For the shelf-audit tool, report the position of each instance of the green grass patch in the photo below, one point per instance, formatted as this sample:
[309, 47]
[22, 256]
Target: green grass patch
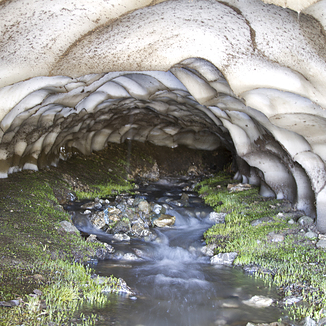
[294, 265]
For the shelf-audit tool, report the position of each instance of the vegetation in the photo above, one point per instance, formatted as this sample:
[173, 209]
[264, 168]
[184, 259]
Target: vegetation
[294, 265]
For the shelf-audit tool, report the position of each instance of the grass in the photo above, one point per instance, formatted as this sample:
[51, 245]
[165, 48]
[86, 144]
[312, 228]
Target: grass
[294, 265]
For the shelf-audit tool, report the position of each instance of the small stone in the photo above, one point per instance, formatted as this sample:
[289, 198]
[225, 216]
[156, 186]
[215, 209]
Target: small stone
[305, 220]
[224, 258]
[311, 235]
[321, 244]
[291, 221]
[258, 301]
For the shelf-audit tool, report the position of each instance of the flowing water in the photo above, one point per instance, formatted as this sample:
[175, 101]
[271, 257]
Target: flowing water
[174, 282]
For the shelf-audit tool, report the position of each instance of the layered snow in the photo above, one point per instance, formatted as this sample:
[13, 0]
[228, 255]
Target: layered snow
[246, 75]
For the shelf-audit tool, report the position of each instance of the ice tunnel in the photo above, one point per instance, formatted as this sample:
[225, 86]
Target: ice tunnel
[246, 75]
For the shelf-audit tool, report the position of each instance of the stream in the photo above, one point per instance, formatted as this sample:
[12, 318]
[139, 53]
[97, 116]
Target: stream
[175, 284]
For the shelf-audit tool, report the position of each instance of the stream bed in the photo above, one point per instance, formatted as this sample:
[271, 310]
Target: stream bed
[173, 281]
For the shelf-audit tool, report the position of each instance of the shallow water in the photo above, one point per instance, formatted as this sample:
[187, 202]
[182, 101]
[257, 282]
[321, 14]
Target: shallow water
[174, 282]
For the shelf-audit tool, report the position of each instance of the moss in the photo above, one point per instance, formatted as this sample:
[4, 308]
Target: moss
[294, 265]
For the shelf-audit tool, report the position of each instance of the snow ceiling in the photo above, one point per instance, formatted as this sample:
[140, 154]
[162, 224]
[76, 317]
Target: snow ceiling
[247, 75]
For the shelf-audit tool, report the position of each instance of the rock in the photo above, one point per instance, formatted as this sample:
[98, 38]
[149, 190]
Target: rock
[164, 220]
[216, 218]
[238, 187]
[291, 221]
[105, 252]
[68, 227]
[305, 220]
[92, 238]
[291, 300]
[92, 205]
[130, 256]
[275, 237]
[262, 220]
[121, 237]
[157, 209]
[98, 220]
[208, 250]
[145, 207]
[258, 301]
[321, 244]
[11, 303]
[251, 269]
[308, 322]
[192, 170]
[37, 292]
[121, 227]
[224, 258]
[139, 230]
[311, 235]
[184, 199]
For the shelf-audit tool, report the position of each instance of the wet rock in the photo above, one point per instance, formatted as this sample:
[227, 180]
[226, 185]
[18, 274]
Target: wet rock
[121, 227]
[216, 218]
[208, 250]
[152, 175]
[139, 230]
[184, 199]
[68, 227]
[262, 220]
[305, 220]
[144, 207]
[164, 220]
[258, 301]
[131, 257]
[92, 205]
[121, 237]
[321, 244]
[224, 258]
[98, 220]
[105, 252]
[157, 208]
